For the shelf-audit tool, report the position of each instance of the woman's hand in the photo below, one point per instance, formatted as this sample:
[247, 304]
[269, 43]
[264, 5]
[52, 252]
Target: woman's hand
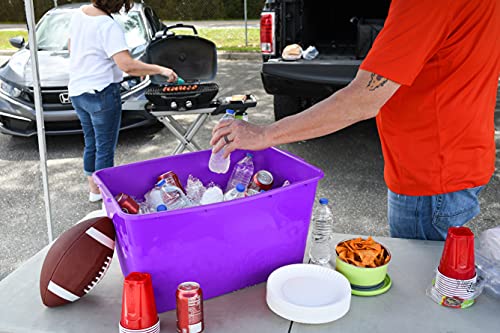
[238, 134]
[170, 74]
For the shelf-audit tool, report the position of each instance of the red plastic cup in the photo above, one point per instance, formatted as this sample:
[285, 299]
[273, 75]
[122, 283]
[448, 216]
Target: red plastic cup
[457, 260]
[138, 303]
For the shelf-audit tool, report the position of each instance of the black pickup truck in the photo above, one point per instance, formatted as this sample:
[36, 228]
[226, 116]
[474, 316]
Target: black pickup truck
[342, 32]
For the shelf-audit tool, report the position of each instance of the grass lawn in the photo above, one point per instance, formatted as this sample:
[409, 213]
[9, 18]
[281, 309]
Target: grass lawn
[233, 39]
[226, 39]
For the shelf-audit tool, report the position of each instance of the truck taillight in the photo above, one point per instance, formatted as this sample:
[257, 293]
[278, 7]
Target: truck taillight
[267, 41]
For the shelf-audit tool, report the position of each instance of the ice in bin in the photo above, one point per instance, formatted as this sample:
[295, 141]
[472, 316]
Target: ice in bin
[224, 246]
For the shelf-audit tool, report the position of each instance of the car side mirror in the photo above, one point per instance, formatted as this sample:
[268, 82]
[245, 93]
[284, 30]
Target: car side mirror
[17, 42]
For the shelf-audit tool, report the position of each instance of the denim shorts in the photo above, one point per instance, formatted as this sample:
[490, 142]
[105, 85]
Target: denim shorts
[429, 217]
[100, 116]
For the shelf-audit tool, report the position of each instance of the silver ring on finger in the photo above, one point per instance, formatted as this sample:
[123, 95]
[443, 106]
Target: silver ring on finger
[226, 139]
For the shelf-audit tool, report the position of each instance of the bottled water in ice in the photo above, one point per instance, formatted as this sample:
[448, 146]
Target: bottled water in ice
[242, 173]
[172, 196]
[154, 198]
[218, 163]
[235, 193]
[322, 221]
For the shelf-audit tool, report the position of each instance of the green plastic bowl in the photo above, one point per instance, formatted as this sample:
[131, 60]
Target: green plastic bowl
[362, 276]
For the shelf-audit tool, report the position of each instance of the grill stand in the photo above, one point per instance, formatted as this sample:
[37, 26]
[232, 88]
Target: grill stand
[186, 135]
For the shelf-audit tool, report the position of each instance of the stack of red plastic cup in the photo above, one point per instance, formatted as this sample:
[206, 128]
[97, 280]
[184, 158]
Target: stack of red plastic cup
[139, 313]
[456, 276]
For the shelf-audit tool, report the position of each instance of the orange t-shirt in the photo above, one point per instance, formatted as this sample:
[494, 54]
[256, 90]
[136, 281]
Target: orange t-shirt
[437, 131]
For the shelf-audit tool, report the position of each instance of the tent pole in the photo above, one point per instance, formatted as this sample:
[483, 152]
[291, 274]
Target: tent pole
[42, 148]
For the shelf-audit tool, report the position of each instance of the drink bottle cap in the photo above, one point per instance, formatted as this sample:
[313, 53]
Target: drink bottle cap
[161, 183]
[230, 111]
[240, 187]
[161, 208]
[323, 201]
[250, 155]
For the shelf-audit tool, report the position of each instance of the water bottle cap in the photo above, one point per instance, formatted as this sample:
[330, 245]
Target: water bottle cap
[250, 155]
[323, 201]
[240, 187]
[161, 208]
[161, 183]
[230, 111]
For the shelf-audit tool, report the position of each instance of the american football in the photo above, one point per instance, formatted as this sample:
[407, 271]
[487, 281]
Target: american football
[77, 261]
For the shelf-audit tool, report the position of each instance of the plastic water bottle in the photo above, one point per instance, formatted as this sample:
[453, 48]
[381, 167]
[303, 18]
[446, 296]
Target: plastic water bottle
[154, 199]
[235, 193]
[242, 173]
[172, 196]
[218, 163]
[145, 208]
[322, 222]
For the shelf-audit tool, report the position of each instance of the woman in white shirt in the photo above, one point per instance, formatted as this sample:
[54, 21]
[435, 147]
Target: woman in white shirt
[98, 57]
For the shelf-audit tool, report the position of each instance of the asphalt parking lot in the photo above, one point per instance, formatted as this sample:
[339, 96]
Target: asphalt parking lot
[351, 159]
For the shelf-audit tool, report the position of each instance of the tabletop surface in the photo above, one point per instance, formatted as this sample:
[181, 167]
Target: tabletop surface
[404, 308]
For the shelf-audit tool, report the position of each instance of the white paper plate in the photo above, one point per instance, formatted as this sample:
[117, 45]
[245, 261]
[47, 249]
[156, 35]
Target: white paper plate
[308, 294]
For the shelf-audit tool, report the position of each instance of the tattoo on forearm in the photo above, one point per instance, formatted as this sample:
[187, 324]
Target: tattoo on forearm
[376, 81]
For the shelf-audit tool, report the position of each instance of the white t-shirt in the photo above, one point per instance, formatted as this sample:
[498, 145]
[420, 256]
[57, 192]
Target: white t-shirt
[94, 40]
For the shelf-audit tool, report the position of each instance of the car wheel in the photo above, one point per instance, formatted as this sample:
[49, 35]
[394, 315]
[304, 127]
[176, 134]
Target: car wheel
[285, 106]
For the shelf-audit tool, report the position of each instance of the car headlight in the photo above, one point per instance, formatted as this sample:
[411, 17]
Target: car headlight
[10, 90]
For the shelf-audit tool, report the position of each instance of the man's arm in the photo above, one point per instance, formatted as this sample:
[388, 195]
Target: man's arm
[360, 100]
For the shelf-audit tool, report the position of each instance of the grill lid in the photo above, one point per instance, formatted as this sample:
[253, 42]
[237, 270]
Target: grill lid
[192, 57]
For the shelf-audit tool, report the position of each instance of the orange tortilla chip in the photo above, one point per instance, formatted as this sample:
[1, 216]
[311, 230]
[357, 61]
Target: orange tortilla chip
[363, 252]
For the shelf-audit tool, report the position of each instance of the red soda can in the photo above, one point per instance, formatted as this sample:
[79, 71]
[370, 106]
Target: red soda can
[262, 180]
[189, 309]
[127, 204]
[171, 178]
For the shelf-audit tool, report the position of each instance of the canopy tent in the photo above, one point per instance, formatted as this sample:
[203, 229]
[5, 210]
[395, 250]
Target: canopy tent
[42, 146]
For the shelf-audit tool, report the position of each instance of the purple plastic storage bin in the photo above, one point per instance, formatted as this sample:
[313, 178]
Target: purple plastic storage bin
[225, 246]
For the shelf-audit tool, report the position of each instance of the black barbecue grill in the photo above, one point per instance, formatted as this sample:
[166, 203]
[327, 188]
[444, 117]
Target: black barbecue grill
[194, 59]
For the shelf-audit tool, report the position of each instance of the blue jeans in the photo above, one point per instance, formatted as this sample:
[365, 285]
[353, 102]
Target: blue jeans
[100, 115]
[429, 217]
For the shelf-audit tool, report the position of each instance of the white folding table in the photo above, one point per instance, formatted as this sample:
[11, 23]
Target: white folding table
[404, 308]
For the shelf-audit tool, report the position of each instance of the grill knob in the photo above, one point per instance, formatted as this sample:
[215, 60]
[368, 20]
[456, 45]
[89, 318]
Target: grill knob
[173, 105]
[189, 104]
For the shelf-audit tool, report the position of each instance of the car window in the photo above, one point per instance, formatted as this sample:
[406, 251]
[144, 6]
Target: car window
[53, 30]
[135, 31]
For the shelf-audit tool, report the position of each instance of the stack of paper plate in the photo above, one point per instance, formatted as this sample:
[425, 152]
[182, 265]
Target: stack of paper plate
[308, 294]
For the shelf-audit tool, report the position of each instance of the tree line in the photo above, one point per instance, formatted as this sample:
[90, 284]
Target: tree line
[12, 11]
